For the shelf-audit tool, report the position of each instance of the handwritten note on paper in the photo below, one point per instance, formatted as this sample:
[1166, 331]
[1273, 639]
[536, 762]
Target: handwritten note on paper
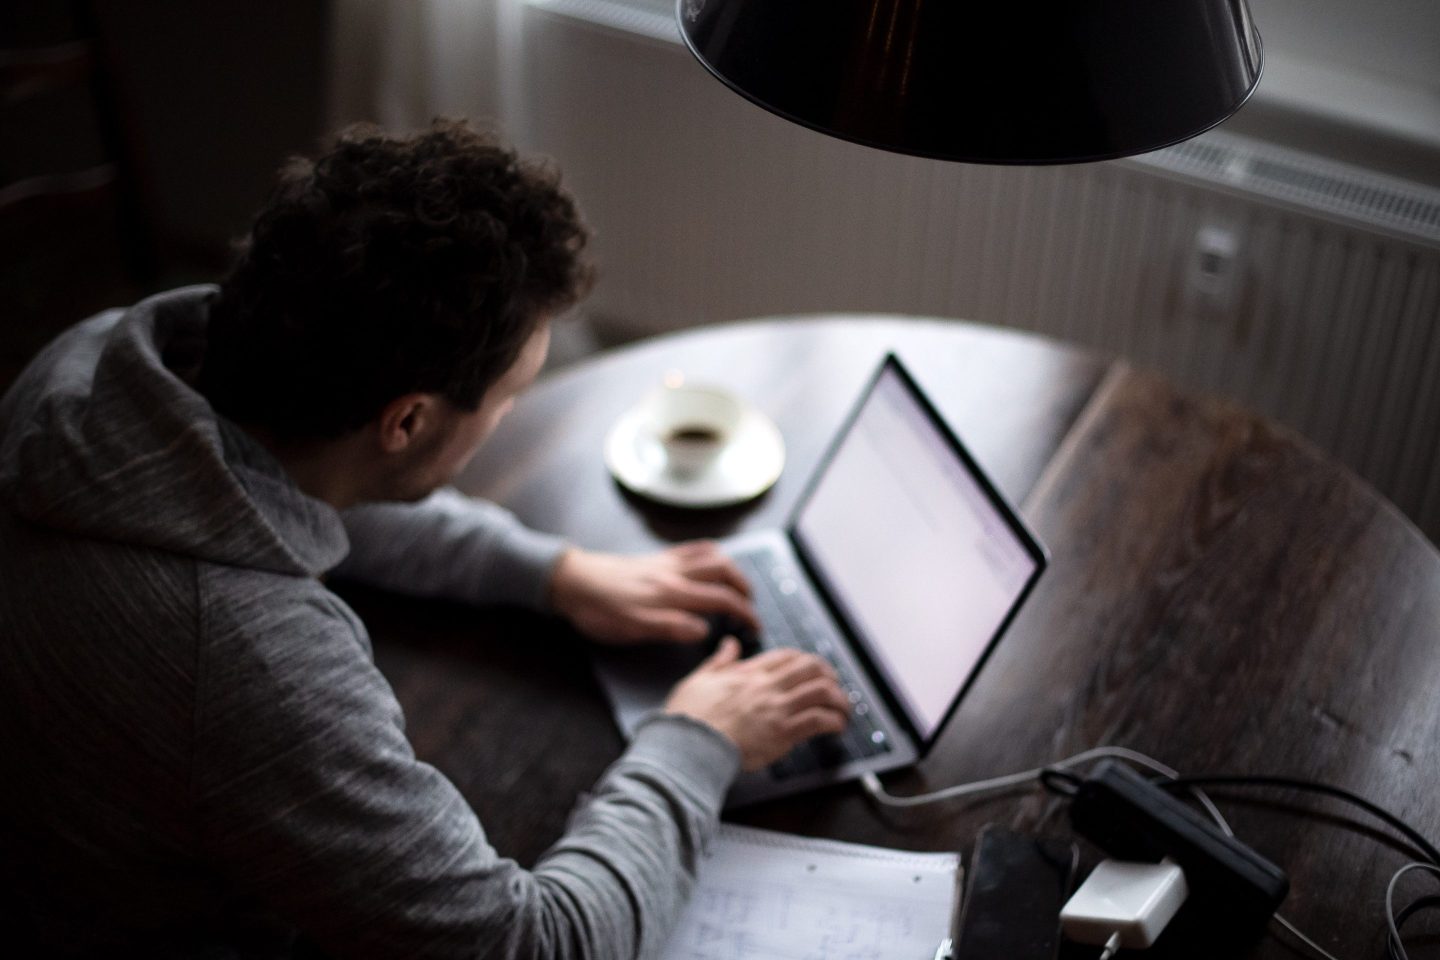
[774, 896]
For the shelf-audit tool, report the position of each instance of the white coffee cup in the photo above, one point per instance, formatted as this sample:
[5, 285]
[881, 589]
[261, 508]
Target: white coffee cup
[694, 423]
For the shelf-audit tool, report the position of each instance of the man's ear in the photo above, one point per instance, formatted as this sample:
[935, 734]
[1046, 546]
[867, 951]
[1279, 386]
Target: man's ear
[405, 420]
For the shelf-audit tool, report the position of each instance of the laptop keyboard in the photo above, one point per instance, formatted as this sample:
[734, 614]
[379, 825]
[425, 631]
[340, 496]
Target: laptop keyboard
[788, 624]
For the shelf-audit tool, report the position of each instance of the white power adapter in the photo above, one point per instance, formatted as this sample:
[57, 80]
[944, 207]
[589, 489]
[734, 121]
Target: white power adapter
[1123, 904]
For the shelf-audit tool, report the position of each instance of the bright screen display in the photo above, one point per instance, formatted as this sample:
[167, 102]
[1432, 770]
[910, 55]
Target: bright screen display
[917, 556]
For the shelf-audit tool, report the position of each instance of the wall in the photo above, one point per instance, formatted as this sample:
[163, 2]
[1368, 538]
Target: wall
[219, 93]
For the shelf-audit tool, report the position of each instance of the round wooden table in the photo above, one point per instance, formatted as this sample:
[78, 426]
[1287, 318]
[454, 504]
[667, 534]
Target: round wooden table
[1222, 597]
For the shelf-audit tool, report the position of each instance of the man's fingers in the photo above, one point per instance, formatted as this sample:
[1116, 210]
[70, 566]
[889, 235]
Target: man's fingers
[820, 692]
[717, 568]
[714, 598]
[798, 668]
[775, 659]
[704, 560]
[676, 626]
[695, 548]
[727, 653]
[814, 721]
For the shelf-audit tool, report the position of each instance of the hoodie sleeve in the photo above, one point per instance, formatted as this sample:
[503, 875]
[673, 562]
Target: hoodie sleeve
[311, 800]
[452, 546]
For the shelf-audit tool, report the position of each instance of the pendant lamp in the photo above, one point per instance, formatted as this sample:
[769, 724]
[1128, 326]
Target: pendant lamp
[986, 81]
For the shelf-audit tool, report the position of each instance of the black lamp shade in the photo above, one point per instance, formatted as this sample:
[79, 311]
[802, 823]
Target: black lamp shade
[986, 81]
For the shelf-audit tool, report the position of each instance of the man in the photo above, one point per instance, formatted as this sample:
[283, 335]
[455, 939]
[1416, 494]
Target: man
[202, 759]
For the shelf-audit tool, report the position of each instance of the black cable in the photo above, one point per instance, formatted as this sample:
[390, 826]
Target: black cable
[1415, 906]
[1310, 786]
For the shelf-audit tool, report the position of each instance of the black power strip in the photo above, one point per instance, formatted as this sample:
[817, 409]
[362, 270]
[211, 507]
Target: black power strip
[1130, 818]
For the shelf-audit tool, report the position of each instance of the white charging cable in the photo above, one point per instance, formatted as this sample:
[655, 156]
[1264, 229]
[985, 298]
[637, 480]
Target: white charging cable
[880, 795]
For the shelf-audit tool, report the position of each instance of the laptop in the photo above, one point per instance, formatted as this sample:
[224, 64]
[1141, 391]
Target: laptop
[901, 564]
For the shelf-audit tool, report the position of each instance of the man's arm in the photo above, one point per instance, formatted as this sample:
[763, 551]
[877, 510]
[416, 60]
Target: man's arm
[310, 799]
[452, 546]
[474, 551]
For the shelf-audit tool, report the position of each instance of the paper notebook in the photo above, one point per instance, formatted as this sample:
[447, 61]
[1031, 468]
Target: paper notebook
[774, 896]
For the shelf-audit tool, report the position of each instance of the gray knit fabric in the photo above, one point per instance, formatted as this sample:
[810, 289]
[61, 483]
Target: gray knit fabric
[199, 756]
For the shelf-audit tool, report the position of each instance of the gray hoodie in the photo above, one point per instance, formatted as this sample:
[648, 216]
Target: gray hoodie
[200, 757]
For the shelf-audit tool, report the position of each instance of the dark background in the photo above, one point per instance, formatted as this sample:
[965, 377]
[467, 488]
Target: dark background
[183, 109]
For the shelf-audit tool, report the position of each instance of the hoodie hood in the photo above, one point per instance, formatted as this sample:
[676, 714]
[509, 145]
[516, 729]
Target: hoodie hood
[103, 437]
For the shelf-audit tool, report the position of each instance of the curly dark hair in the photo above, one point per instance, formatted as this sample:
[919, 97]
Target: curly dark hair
[386, 266]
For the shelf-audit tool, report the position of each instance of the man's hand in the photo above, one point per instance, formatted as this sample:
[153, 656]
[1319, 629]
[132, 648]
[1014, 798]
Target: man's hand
[658, 596]
[766, 704]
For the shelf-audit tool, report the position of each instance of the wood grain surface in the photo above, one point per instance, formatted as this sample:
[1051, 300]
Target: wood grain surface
[1221, 597]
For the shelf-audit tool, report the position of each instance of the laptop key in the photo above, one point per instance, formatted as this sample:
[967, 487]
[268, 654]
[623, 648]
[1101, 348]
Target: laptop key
[830, 750]
[879, 743]
[802, 759]
[864, 738]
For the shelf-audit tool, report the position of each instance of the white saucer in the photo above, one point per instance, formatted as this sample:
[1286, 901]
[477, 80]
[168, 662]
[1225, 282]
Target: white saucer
[746, 467]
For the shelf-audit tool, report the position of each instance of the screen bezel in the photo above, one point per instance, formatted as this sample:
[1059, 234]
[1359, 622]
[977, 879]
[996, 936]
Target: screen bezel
[1004, 510]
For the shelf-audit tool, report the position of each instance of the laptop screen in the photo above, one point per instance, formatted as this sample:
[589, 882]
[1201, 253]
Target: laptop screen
[924, 561]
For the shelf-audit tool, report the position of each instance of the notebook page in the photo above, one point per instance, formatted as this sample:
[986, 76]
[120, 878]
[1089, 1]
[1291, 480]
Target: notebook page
[774, 896]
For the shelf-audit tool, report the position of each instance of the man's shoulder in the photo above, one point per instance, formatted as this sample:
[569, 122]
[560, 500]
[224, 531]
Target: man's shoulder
[251, 609]
[285, 669]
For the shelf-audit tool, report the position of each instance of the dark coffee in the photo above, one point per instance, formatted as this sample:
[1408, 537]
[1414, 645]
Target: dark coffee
[693, 433]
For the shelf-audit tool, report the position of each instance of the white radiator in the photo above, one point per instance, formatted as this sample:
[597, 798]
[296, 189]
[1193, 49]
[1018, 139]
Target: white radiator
[1309, 291]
